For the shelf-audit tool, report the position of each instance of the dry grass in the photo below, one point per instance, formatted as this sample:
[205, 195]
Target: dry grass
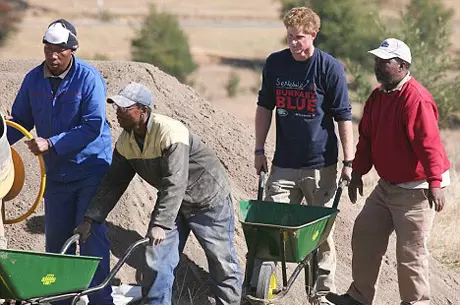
[239, 42]
[445, 240]
[209, 9]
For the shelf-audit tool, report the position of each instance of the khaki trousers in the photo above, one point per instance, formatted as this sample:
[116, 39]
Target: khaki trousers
[407, 212]
[318, 187]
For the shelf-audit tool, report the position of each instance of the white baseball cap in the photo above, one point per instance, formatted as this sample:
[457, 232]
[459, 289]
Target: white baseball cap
[391, 48]
[131, 94]
[61, 32]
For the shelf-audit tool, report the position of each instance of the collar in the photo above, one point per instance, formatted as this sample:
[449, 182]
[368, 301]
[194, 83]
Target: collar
[150, 122]
[399, 85]
[149, 127]
[47, 73]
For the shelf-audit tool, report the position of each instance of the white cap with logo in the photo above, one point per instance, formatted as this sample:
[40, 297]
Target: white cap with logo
[391, 48]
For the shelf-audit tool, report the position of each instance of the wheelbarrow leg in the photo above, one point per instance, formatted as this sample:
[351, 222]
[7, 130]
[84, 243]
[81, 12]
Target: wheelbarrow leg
[311, 274]
[250, 260]
[283, 256]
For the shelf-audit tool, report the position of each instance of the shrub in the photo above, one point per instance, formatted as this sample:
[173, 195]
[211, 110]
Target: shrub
[232, 84]
[7, 20]
[162, 43]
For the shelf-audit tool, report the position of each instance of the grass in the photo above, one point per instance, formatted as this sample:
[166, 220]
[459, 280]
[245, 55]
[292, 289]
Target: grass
[444, 241]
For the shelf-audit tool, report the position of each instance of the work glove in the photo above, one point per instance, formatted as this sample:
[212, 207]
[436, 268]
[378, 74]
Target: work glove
[84, 229]
[156, 235]
[356, 184]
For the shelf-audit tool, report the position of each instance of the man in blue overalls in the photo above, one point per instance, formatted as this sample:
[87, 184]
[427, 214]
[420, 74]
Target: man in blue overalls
[64, 99]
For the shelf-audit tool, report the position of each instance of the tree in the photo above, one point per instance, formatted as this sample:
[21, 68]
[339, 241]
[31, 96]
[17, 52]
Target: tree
[426, 28]
[7, 20]
[162, 43]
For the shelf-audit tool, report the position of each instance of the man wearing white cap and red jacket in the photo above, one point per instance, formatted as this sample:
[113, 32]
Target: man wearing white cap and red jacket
[399, 136]
[64, 99]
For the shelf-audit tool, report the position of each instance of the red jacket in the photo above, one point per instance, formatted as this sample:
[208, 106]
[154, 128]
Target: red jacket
[399, 135]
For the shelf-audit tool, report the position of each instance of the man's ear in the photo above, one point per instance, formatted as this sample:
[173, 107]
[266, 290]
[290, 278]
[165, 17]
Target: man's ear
[313, 35]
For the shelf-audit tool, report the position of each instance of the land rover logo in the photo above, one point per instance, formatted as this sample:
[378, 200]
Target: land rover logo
[282, 112]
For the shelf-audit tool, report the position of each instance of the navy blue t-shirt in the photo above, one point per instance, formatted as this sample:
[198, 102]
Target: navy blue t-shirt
[308, 96]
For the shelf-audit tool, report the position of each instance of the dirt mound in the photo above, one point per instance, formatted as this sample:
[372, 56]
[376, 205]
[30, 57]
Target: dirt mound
[233, 142]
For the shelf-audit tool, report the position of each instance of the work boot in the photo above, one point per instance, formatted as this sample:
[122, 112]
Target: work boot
[344, 299]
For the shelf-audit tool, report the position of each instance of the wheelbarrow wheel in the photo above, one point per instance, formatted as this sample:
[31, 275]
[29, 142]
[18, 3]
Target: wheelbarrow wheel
[266, 286]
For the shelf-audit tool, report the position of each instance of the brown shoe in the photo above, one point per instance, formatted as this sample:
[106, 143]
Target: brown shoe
[343, 299]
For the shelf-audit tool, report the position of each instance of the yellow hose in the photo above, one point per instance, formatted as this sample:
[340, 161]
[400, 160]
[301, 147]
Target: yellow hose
[42, 182]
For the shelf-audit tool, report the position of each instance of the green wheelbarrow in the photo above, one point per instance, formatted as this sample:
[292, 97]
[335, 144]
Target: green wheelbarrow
[36, 277]
[286, 233]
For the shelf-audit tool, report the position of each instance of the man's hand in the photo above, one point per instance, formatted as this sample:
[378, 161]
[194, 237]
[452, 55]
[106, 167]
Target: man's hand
[260, 163]
[436, 198]
[84, 229]
[346, 174]
[38, 146]
[356, 184]
[156, 235]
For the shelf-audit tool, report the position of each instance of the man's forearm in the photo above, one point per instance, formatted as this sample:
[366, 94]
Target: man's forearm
[346, 137]
[111, 189]
[262, 125]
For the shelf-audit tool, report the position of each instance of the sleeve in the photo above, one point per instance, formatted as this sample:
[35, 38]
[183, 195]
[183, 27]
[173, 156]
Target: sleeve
[175, 167]
[267, 98]
[114, 184]
[423, 133]
[337, 93]
[21, 113]
[91, 122]
[362, 162]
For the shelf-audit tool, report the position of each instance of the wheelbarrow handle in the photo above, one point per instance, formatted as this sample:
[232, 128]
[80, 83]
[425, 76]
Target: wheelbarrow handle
[72, 240]
[261, 187]
[76, 296]
[342, 183]
[113, 272]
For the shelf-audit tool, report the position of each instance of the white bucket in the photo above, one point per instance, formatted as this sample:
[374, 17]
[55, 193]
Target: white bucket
[6, 161]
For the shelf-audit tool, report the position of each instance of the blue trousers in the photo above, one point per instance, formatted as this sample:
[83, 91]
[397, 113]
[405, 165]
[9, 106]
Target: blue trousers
[214, 230]
[65, 205]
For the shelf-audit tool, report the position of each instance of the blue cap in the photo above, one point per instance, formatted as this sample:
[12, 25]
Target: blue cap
[132, 94]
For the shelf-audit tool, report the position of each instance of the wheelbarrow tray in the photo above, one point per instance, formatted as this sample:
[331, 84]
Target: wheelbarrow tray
[304, 228]
[26, 274]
